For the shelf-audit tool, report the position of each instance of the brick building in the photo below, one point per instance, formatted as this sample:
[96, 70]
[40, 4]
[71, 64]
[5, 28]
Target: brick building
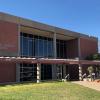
[32, 51]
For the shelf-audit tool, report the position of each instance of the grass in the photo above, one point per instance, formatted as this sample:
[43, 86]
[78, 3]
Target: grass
[48, 91]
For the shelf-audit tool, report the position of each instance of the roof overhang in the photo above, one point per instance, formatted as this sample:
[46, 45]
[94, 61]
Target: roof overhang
[45, 33]
[34, 24]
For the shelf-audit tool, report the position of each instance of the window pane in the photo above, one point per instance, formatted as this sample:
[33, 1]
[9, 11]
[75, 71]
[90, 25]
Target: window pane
[50, 49]
[40, 48]
[61, 49]
[21, 45]
[36, 47]
[25, 46]
[30, 47]
[45, 48]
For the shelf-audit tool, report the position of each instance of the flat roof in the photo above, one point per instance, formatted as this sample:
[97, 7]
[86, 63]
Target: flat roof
[38, 25]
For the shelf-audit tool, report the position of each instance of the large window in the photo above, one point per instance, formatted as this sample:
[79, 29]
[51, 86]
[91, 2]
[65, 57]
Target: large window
[46, 71]
[35, 46]
[61, 49]
[28, 72]
[26, 45]
[30, 46]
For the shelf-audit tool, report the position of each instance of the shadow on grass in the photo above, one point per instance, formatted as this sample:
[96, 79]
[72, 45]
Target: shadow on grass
[28, 83]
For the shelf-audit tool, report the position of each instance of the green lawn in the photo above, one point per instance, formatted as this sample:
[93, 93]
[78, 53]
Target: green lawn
[47, 91]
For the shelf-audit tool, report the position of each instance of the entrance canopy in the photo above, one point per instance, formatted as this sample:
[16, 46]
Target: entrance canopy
[46, 60]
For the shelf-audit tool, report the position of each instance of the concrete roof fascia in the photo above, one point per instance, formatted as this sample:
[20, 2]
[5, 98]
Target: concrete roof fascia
[42, 26]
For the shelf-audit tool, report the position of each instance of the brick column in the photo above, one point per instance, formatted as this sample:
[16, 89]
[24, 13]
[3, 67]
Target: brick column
[38, 72]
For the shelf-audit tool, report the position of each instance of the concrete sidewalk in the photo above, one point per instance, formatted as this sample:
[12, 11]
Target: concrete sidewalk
[92, 85]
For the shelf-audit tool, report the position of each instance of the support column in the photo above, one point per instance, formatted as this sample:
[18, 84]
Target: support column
[54, 45]
[79, 49]
[54, 68]
[18, 40]
[80, 72]
[38, 72]
[17, 72]
[64, 71]
[54, 72]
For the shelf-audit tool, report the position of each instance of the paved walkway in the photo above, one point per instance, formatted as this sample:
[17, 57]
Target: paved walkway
[93, 85]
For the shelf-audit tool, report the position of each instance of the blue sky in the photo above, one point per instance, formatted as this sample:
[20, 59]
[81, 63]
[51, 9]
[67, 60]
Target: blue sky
[78, 15]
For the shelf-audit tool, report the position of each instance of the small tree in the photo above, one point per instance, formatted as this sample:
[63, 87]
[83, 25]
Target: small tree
[90, 70]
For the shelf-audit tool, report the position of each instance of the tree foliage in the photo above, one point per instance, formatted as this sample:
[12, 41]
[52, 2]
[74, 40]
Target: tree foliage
[93, 57]
[90, 69]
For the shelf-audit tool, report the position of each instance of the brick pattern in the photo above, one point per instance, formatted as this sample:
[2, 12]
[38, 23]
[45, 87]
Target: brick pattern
[7, 72]
[72, 48]
[8, 36]
[88, 46]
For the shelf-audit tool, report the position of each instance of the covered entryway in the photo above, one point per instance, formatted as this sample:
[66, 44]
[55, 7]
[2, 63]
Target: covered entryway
[32, 68]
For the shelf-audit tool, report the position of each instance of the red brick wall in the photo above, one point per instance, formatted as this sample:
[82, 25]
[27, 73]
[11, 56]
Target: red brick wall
[72, 48]
[8, 36]
[88, 46]
[7, 72]
[9, 43]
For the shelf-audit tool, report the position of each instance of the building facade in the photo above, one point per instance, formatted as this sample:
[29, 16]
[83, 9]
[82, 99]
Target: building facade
[32, 51]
